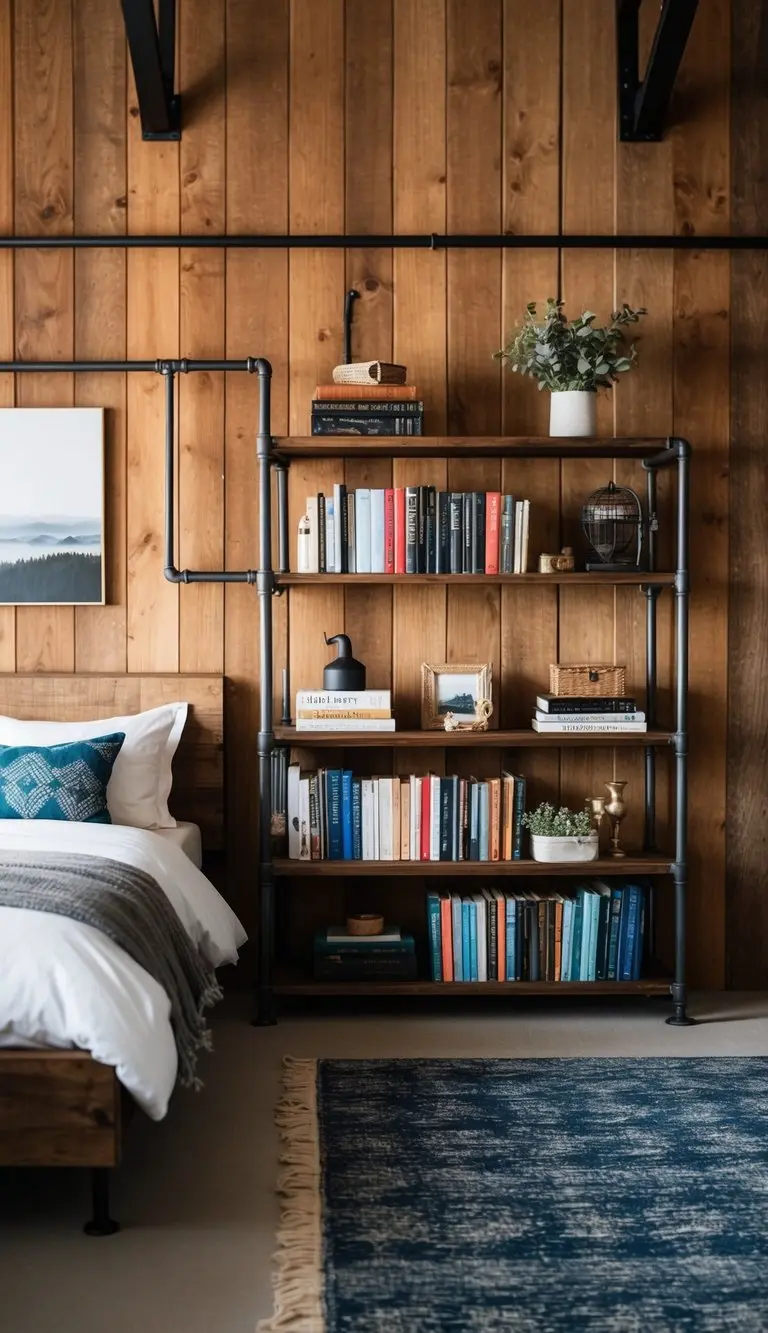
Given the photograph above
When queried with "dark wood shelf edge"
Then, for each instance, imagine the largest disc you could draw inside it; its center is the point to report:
(298, 983)
(484, 739)
(629, 865)
(580, 578)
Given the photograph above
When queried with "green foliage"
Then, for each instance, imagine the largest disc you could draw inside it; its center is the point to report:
(66, 576)
(565, 355)
(547, 822)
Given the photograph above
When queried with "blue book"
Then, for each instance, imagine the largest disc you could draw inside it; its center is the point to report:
(333, 797)
(623, 925)
(347, 852)
(518, 809)
(565, 944)
(377, 532)
(363, 530)
(472, 914)
(511, 923)
(633, 924)
(637, 957)
(484, 829)
(435, 940)
(457, 934)
(578, 931)
(357, 821)
(466, 945)
(613, 934)
(594, 904)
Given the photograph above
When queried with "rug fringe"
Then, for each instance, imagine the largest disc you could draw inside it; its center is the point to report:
(297, 1278)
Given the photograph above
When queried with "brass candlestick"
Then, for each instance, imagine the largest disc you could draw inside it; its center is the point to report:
(616, 808)
(596, 808)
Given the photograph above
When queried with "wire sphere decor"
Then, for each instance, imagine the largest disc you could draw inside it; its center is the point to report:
(612, 520)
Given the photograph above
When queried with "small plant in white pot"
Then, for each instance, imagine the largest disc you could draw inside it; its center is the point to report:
(561, 835)
(573, 359)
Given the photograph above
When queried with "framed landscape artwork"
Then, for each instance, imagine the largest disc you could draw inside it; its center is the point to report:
(52, 505)
(453, 687)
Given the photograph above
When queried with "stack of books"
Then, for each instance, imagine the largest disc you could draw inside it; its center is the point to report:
(339, 956)
(594, 934)
(560, 714)
(344, 710)
(413, 530)
(335, 816)
(393, 408)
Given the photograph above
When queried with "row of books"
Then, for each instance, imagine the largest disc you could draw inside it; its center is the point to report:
(561, 715)
(594, 934)
(413, 530)
(339, 956)
(342, 710)
(364, 416)
(335, 816)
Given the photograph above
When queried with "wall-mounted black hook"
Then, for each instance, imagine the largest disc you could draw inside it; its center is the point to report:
(349, 300)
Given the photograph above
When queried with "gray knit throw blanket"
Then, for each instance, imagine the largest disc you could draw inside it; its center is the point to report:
(130, 908)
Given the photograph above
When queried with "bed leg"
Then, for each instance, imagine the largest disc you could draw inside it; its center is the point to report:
(101, 1224)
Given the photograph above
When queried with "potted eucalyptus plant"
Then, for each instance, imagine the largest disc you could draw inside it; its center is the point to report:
(573, 359)
(561, 835)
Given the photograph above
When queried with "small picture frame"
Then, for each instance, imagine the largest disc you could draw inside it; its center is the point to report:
(453, 687)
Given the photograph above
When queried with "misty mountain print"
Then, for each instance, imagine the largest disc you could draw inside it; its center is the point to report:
(50, 559)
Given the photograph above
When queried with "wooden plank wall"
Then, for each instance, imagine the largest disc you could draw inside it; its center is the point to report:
(417, 115)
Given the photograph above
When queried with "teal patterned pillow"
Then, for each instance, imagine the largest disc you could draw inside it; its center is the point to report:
(58, 781)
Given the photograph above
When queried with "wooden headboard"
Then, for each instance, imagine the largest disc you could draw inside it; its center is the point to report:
(198, 769)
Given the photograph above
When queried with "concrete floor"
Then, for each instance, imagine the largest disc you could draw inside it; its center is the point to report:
(195, 1194)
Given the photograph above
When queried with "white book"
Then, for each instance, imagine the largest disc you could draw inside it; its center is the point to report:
(376, 822)
(304, 852)
(351, 534)
(314, 535)
(345, 724)
(405, 820)
(415, 818)
(386, 850)
(524, 539)
(338, 535)
(481, 906)
(363, 530)
(330, 536)
(294, 774)
(396, 853)
(343, 699)
(563, 728)
(367, 798)
(434, 817)
(557, 719)
(517, 566)
(377, 532)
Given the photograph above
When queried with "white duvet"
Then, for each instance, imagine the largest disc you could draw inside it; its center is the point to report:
(65, 984)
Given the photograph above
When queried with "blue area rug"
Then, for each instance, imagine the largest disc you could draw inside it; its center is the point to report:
(525, 1196)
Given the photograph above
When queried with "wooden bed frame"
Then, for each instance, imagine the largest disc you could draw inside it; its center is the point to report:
(61, 1108)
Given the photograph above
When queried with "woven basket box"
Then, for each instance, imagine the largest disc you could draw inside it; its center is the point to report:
(588, 679)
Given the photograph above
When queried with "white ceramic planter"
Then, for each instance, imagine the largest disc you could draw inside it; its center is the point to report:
(564, 849)
(573, 412)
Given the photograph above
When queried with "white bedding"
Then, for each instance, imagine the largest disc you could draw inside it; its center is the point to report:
(65, 984)
(187, 837)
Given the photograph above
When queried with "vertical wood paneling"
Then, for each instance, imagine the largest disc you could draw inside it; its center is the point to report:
(100, 301)
(45, 636)
(202, 312)
(7, 613)
(152, 332)
(747, 783)
(701, 389)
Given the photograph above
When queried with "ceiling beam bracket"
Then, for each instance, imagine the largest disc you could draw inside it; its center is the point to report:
(152, 44)
(643, 103)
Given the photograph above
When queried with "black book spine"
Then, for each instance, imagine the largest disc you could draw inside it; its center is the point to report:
(322, 559)
(421, 547)
(523, 910)
(467, 508)
(431, 535)
(411, 529)
(478, 534)
(535, 965)
(507, 546)
(491, 914)
(456, 524)
(520, 942)
(611, 704)
(445, 823)
(551, 909)
(343, 519)
(603, 921)
(369, 423)
(443, 554)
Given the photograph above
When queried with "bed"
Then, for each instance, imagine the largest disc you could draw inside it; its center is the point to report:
(85, 1034)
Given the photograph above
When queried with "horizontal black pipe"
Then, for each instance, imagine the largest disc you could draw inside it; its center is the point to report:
(429, 241)
(251, 364)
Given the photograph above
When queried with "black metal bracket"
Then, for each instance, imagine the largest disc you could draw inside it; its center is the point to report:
(152, 44)
(349, 302)
(643, 102)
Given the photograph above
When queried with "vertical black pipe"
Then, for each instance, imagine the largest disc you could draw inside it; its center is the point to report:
(651, 664)
(283, 558)
(265, 587)
(100, 1224)
(349, 302)
(679, 1017)
(170, 557)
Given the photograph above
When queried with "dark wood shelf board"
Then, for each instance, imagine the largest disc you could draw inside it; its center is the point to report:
(293, 981)
(580, 578)
(459, 446)
(628, 865)
(434, 740)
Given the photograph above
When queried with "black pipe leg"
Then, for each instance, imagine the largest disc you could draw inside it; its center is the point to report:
(680, 1018)
(101, 1224)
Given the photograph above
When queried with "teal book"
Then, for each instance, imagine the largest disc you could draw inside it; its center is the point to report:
(435, 940)
(466, 945)
(357, 821)
(613, 934)
(578, 930)
(518, 809)
(333, 797)
(457, 936)
(472, 918)
(633, 925)
(594, 902)
(637, 959)
(623, 928)
(565, 944)
(603, 921)
(484, 849)
(346, 816)
(510, 914)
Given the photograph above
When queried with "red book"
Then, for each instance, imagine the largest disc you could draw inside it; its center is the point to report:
(492, 507)
(399, 530)
(446, 937)
(425, 820)
(389, 531)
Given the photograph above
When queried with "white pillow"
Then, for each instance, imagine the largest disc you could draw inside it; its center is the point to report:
(140, 785)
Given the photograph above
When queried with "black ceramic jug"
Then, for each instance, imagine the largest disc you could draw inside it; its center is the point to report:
(344, 672)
